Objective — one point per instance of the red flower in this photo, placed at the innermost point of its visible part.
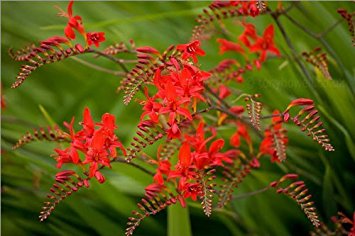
(191, 50)
(163, 169)
(173, 132)
(242, 131)
(267, 145)
(147, 50)
(152, 190)
(95, 38)
(64, 175)
(237, 109)
(54, 41)
(74, 22)
(248, 8)
(265, 44)
(226, 45)
(69, 155)
(223, 92)
(192, 190)
(98, 145)
(298, 102)
(150, 108)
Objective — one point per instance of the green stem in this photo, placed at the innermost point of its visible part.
(116, 60)
(308, 80)
(320, 38)
(98, 68)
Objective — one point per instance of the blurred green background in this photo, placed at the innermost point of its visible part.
(65, 88)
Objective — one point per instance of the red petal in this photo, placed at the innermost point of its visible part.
(301, 101)
(216, 146)
(93, 169)
(269, 32)
(69, 32)
(235, 140)
(185, 155)
(70, 8)
(99, 177)
(158, 178)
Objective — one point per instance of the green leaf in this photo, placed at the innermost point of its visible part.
(178, 221)
(329, 204)
(47, 116)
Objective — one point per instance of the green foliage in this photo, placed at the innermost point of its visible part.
(65, 88)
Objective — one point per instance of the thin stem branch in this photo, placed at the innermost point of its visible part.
(324, 33)
(270, 116)
(308, 31)
(135, 165)
(209, 90)
(249, 194)
(116, 60)
(99, 68)
(321, 39)
(304, 70)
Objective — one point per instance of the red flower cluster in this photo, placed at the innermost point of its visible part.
(178, 90)
(250, 39)
(195, 156)
(191, 50)
(76, 23)
(98, 145)
(241, 132)
(274, 132)
(246, 8)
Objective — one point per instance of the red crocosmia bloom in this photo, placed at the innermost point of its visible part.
(239, 79)
(99, 177)
(217, 158)
(147, 50)
(267, 145)
(189, 82)
(242, 131)
(221, 3)
(95, 38)
(191, 50)
(224, 91)
(74, 22)
(185, 155)
(54, 41)
(297, 102)
(69, 155)
(150, 108)
(152, 189)
(257, 64)
(255, 163)
(248, 8)
(96, 154)
(163, 168)
(198, 140)
(265, 44)
(192, 190)
(64, 175)
(226, 46)
(302, 101)
(88, 122)
(182, 201)
(108, 123)
(174, 132)
(237, 109)
(98, 145)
